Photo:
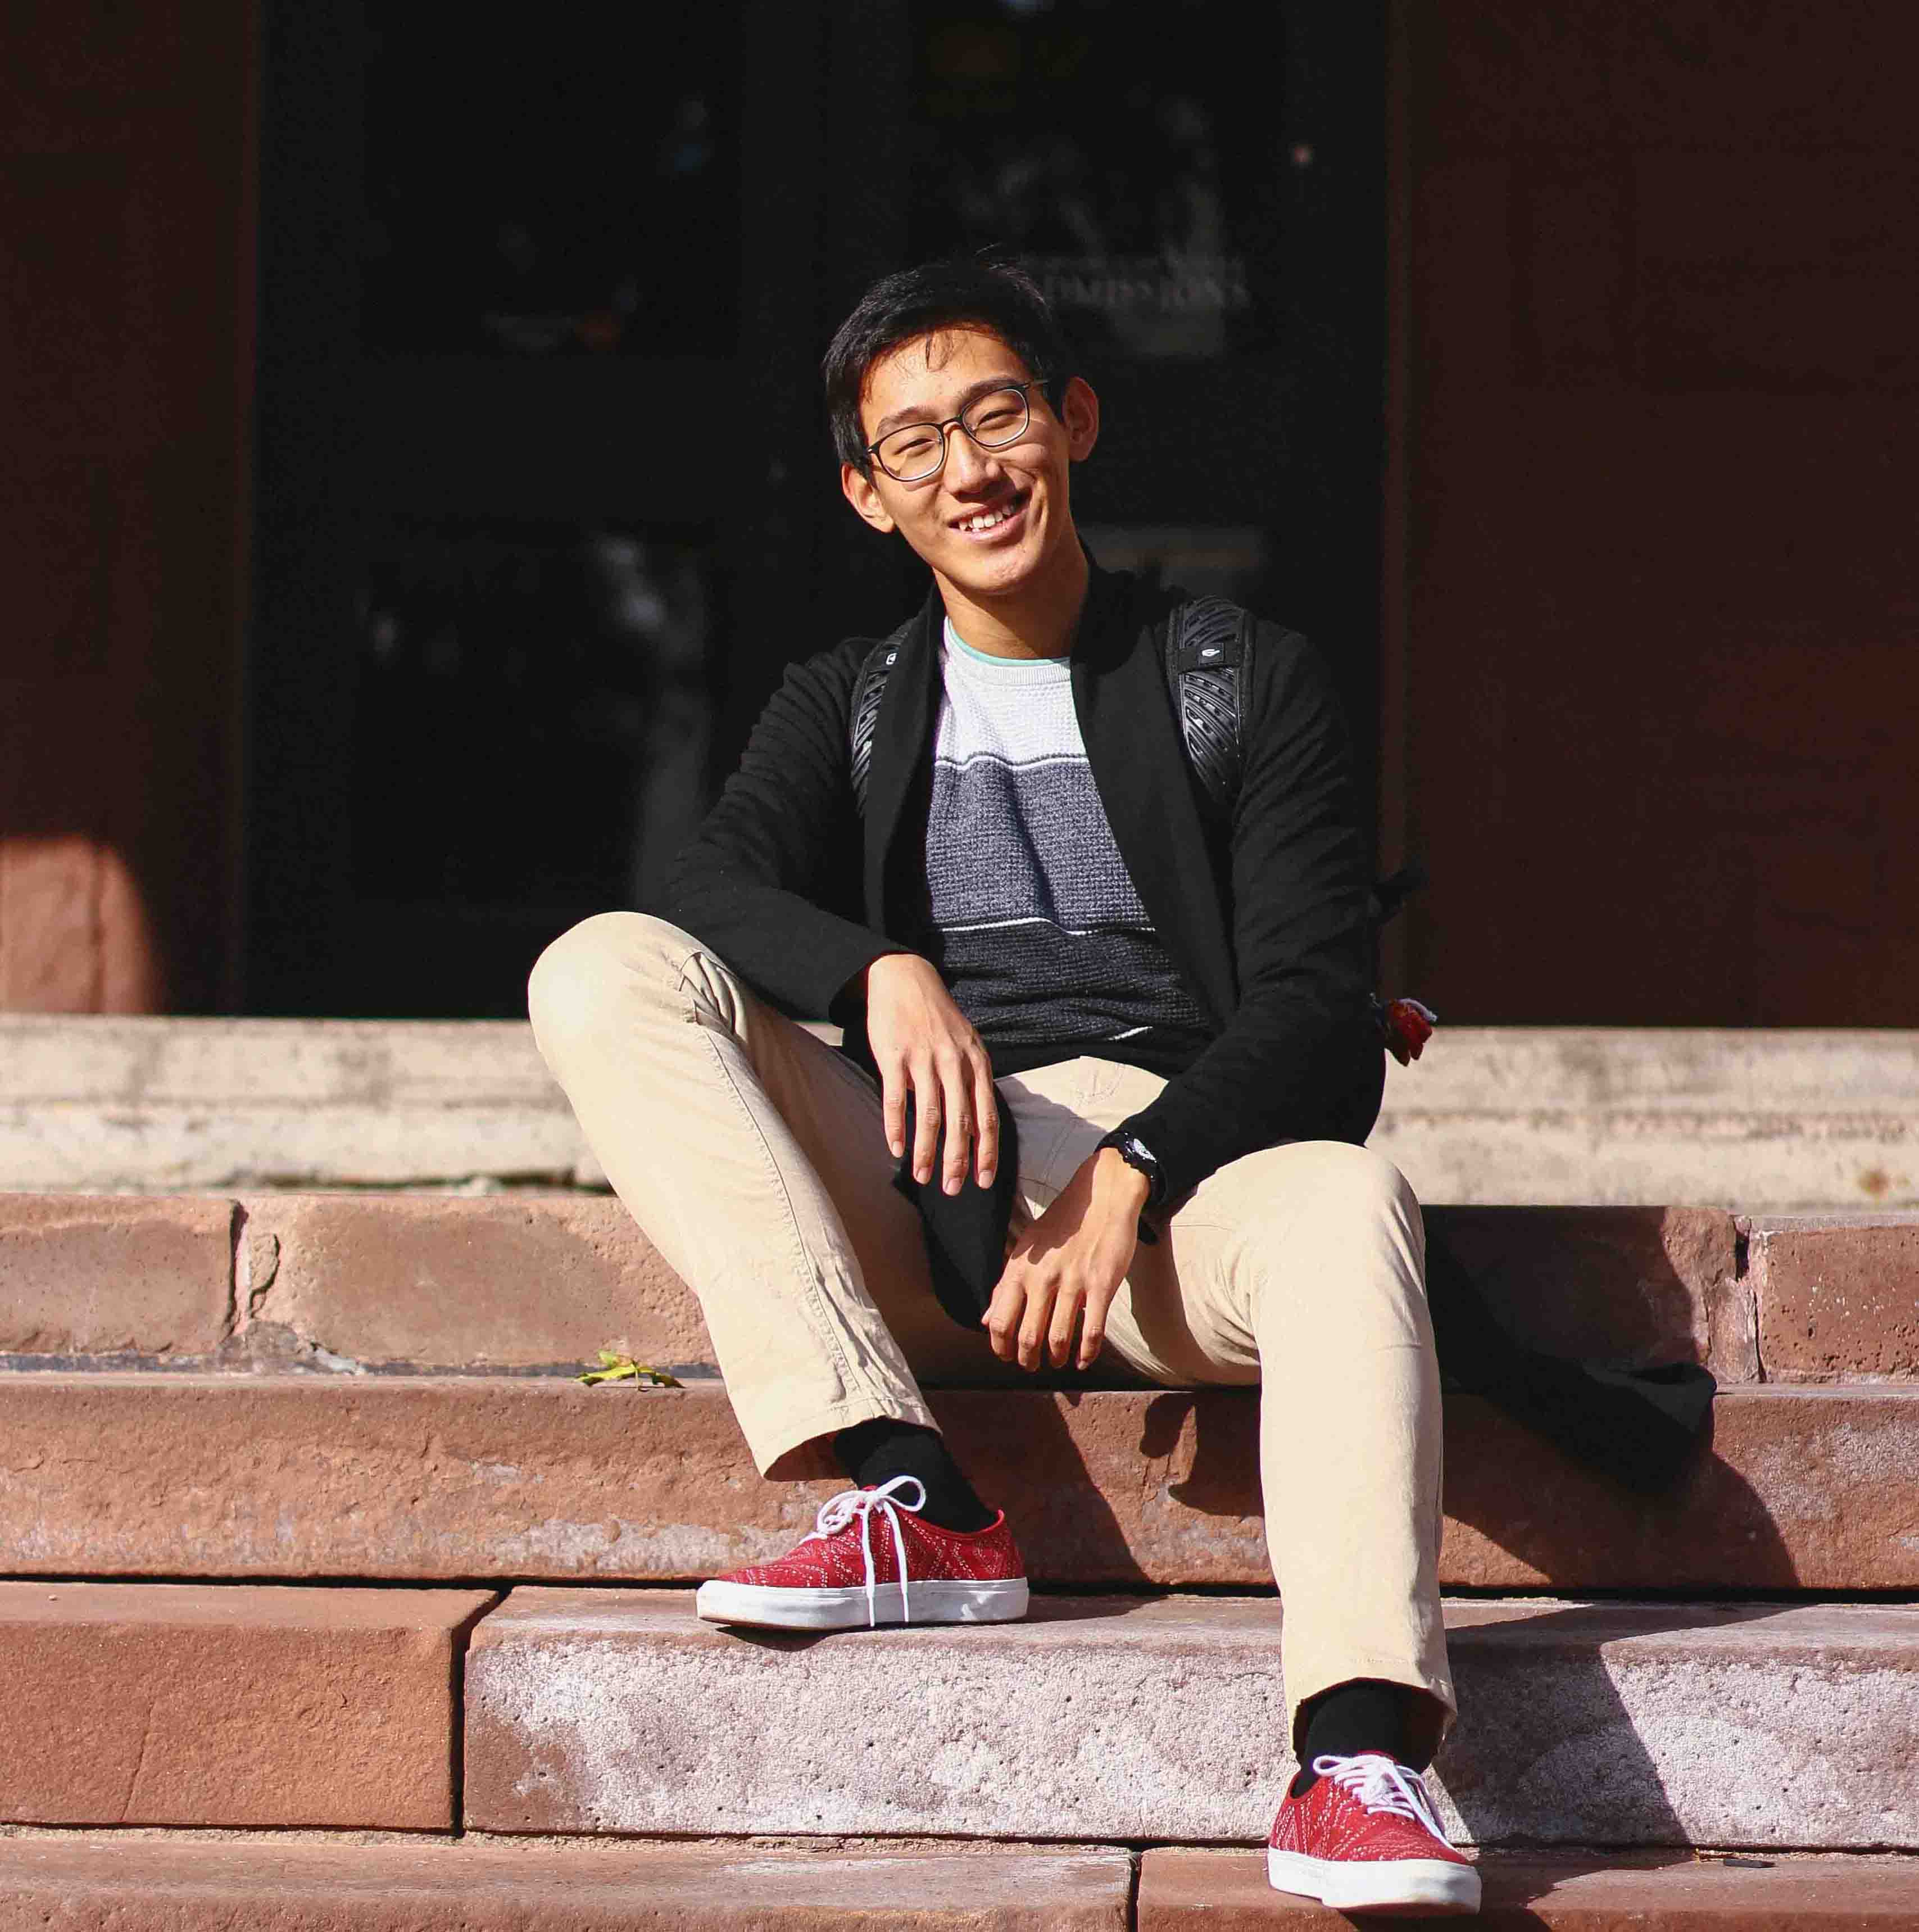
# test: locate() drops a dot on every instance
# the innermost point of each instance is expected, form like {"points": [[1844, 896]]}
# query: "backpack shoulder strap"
{"points": [[868, 689], [1208, 642]]}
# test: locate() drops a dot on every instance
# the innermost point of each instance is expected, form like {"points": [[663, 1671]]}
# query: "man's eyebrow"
{"points": [[984, 387]]}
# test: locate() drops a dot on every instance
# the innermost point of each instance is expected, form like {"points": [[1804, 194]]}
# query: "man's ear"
{"points": [[861, 492], [1079, 411]]}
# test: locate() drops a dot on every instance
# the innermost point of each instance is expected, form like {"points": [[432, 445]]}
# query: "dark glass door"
{"points": [[545, 499]]}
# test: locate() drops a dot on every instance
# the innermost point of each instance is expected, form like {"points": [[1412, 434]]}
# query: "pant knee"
{"points": [[1330, 1182], [1335, 1230], [1367, 1186], [600, 966]]}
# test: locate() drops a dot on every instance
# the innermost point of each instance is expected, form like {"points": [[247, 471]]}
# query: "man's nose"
{"points": [[967, 465]]}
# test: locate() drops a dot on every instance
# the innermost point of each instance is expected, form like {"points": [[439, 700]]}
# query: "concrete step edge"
{"points": [[515, 1280], [175, 1885], [348, 1281], [1225, 1891], [452, 1478], [147, 1882], [1162, 1719]]}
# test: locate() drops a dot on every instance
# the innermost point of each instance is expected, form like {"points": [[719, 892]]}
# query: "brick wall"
{"points": [[125, 360], [1657, 600]]}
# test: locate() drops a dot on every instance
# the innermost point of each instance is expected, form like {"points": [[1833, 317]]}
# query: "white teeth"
{"points": [[988, 520]]}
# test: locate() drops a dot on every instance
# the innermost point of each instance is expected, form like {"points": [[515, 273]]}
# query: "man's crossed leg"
{"points": [[755, 1157]]}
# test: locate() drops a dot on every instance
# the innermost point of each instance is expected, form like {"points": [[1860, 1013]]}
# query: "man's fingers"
{"points": [[926, 1112], [893, 1106], [1001, 1317], [957, 1099], [986, 1118], [1093, 1330], [1066, 1318], [1033, 1330]]}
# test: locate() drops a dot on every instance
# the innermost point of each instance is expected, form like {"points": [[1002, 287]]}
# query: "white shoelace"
{"points": [[836, 1512], [1380, 1785]]}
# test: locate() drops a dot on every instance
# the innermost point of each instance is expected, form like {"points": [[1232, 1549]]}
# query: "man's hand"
{"points": [[924, 1046], [1064, 1271]]}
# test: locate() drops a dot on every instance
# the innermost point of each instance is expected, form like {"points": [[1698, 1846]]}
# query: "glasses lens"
{"points": [[908, 454], [998, 419]]}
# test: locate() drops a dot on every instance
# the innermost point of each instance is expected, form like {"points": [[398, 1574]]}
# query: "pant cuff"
{"points": [[1389, 1669], [800, 1449]]}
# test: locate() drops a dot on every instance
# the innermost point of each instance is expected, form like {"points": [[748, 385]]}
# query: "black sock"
{"points": [[873, 1453], [1368, 1715]]}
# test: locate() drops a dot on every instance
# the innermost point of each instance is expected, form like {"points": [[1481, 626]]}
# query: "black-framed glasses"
{"points": [[919, 451]]}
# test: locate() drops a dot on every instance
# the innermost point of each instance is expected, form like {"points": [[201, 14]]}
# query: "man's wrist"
{"points": [[1140, 1160]]}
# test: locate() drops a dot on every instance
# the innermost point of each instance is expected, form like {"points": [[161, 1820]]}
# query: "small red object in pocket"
{"points": [[1409, 1026]]}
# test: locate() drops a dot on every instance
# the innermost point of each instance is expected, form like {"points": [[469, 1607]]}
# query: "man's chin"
{"points": [[992, 575]]}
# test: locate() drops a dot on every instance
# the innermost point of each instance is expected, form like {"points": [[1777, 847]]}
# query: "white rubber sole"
{"points": [[933, 1602], [1387, 1887]]}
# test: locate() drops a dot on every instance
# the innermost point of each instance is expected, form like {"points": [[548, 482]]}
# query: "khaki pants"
{"points": [[754, 1157]]}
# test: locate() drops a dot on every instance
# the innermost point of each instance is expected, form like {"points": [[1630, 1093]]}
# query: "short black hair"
{"points": [[990, 290]]}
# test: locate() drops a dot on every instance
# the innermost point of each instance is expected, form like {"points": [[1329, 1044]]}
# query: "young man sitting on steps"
{"points": [[1001, 879]]}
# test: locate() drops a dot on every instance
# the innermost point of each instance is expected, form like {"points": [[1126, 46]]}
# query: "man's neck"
{"points": [[1039, 621]]}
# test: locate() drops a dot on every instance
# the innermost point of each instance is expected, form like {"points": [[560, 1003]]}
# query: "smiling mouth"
{"points": [[984, 523]]}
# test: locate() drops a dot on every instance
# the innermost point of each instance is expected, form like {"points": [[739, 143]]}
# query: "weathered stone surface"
{"points": [[1801, 1158], [119, 1884], [1572, 1115], [95, 1274], [521, 1279], [167, 1704], [442, 1478], [167, 1103], [1181, 1887], [495, 1281], [1837, 1296], [1636, 1285], [1764, 1072], [1109, 1718]]}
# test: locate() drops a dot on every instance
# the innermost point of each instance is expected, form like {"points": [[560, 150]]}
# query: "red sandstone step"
{"points": [[121, 1885], [1183, 1891], [517, 1280], [1836, 1294], [448, 1478], [163, 1704]]}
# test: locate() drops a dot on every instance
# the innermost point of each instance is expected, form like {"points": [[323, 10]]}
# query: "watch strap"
{"points": [[1139, 1156]]}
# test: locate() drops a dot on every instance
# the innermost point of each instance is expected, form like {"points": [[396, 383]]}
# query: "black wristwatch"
{"points": [[1136, 1154]]}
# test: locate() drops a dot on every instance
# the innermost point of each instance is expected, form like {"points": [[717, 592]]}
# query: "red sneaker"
{"points": [[835, 1578], [1365, 1839]]}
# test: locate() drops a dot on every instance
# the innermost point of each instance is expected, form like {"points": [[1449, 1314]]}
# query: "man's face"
{"points": [[989, 520]]}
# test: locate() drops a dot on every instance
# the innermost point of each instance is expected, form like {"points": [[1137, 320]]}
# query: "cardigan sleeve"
{"points": [[1300, 1057], [771, 879]]}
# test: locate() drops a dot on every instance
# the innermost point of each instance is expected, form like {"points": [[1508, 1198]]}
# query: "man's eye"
{"points": [[998, 421], [910, 443]]}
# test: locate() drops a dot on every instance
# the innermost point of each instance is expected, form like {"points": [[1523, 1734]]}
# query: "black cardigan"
{"points": [[1266, 922]]}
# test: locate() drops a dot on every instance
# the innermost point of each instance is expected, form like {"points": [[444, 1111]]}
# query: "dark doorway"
{"points": [[545, 499]]}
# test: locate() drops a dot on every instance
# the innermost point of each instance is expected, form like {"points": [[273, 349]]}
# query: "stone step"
{"points": [[1115, 1718], [452, 1478], [343, 1281], [1785, 1118], [122, 1884], [346, 1281], [1183, 1890], [234, 1706]]}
